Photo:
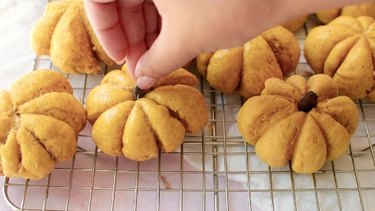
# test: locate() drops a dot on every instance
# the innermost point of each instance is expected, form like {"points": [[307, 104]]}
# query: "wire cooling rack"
{"points": [[212, 170]]}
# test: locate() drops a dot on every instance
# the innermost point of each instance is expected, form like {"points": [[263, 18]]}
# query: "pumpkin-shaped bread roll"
{"points": [[274, 53], [343, 49], [355, 10], [65, 34], [136, 123], [304, 122], [39, 124]]}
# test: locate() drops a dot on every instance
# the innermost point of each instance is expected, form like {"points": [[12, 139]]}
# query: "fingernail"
{"points": [[137, 71], [120, 62], [145, 82]]}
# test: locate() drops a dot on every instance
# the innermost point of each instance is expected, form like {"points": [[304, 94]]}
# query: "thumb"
{"points": [[167, 54]]}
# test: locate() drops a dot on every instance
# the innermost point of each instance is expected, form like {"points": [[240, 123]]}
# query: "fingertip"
{"points": [[145, 82], [146, 65], [162, 58], [121, 61], [104, 20]]}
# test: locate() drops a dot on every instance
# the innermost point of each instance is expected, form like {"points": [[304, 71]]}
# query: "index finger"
{"points": [[104, 18]]}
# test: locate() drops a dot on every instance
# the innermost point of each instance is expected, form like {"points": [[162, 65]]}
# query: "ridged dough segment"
{"points": [[179, 76], [29, 86], [203, 60], [182, 101], [10, 158], [357, 67], [349, 22], [365, 22], [139, 142], [281, 88], [223, 63], [338, 54], [310, 151], [35, 160], [9, 155], [336, 136], [104, 97], [323, 86], [259, 113], [369, 33], [61, 106], [71, 48], [170, 132], [41, 42], [5, 115], [108, 129], [5, 102], [343, 110], [5, 126], [119, 78], [283, 45], [357, 10], [327, 16], [298, 82], [321, 40], [259, 64], [362, 10], [276, 146], [56, 137]]}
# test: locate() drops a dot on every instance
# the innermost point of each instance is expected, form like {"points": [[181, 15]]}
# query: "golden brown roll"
{"points": [[137, 123], [356, 10], [274, 53], [304, 122], [326, 16], [39, 124], [64, 33], [343, 49]]}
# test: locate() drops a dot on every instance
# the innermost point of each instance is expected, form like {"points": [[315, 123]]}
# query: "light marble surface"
{"points": [[16, 20]]}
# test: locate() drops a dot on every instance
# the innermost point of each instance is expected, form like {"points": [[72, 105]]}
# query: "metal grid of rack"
{"points": [[212, 170]]}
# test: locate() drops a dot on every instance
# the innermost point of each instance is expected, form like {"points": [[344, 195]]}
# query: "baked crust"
{"points": [[138, 128], [281, 131], [274, 53], [40, 121], [65, 34]]}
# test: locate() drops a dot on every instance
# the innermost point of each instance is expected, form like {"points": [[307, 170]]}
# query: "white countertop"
{"points": [[16, 19]]}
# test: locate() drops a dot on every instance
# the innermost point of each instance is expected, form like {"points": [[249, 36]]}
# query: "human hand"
{"points": [[157, 37], [126, 29]]}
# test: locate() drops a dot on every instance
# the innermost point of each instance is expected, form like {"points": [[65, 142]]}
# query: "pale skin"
{"points": [[157, 37]]}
